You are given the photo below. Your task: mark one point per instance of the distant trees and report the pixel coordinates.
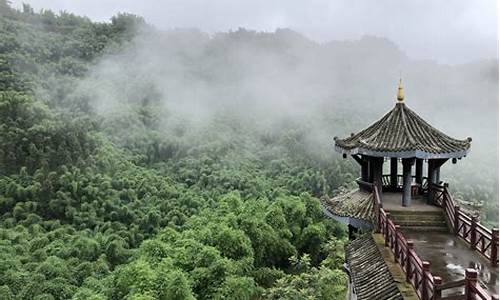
(33, 137)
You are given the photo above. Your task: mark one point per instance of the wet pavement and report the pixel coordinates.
(449, 257)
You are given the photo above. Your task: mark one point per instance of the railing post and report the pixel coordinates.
(387, 215)
(473, 232)
(426, 270)
(376, 207)
(379, 222)
(438, 281)
(396, 245)
(377, 219)
(494, 247)
(409, 248)
(470, 281)
(457, 219)
(444, 195)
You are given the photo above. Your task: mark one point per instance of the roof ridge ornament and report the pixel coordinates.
(401, 92)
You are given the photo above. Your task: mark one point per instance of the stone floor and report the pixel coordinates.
(392, 202)
(449, 257)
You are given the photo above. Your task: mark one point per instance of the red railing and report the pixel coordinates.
(417, 271)
(467, 227)
(466, 289)
(418, 274)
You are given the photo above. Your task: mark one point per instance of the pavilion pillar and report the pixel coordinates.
(407, 163)
(364, 169)
(363, 163)
(431, 178)
(419, 163)
(370, 169)
(433, 173)
(394, 173)
(377, 164)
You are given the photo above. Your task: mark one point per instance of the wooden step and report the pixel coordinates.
(415, 213)
(425, 228)
(420, 223)
(407, 218)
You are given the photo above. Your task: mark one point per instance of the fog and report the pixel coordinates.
(452, 32)
(266, 79)
(275, 82)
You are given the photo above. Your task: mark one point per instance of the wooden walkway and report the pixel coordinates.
(477, 240)
(448, 255)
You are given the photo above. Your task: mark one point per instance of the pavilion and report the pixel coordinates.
(412, 146)
(389, 206)
(401, 135)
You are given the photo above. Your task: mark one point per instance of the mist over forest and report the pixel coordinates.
(138, 163)
(271, 82)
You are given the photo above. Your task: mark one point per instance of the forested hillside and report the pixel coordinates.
(145, 164)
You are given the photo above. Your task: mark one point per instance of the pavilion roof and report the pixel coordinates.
(402, 133)
(353, 204)
(369, 273)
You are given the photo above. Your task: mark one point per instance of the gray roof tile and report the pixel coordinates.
(402, 133)
(369, 273)
(354, 204)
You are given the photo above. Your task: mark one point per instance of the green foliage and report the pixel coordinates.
(35, 138)
(309, 283)
(114, 209)
(212, 255)
(125, 207)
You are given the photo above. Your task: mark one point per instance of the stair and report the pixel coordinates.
(420, 220)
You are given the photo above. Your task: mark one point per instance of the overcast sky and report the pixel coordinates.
(449, 31)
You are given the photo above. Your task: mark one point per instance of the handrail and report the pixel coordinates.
(450, 285)
(363, 185)
(465, 226)
(417, 271)
(418, 274)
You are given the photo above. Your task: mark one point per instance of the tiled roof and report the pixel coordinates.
(369, 273)
(354, 204)
(402, 133)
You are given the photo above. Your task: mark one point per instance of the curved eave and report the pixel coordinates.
(402, 154)
(355, 222)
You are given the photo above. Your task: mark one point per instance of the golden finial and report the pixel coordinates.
(401, 92)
